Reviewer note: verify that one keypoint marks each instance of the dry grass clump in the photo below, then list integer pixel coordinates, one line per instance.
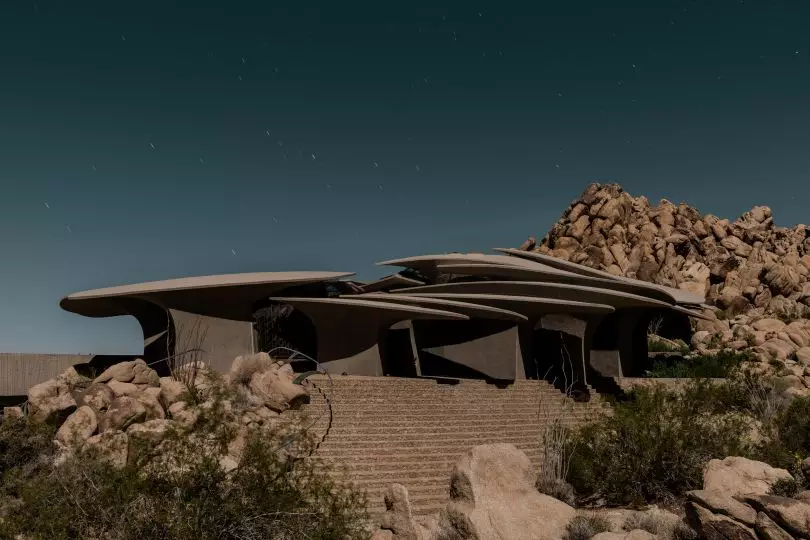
(585, 526)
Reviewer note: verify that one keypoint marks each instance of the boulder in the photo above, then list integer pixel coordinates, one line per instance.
(122, 371)
(711, 526)
(10, 413)
(98, 396)
(276, 389)
(50, 401)
(123, 412)
(769, 530)
(636, 534)
(123, 388)
(768, 325)
(78, 427)
(111, 445)
(151, 432)
(171, 391)
(398, 517)
(739, 476)
(493, 497)
(720, 503)
(150, 402)
(790, 514)
(803, 356)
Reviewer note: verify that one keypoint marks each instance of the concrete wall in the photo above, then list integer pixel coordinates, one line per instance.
(21, 371)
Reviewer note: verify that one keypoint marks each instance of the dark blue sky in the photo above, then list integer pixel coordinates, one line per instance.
(156, 139)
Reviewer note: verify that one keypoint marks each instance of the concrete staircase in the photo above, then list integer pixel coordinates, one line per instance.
(412, 431)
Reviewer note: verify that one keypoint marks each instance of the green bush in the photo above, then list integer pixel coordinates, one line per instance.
(720, 365)
(175, 490)
(654, 446)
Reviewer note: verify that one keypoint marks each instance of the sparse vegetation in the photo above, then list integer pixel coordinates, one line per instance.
(720, 365)
(585, 526)
(176, 489)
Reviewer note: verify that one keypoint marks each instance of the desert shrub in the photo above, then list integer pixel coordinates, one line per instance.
(786, 487)
(654, 344)
(557, 488)
(178, 490)
(789, 436)
(660, 526)
(720, 365)
(23, 445)
(586, 526)
(654, 446)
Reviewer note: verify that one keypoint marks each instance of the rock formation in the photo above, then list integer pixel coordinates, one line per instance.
(755, 275)
(735, 503)
(129, 404)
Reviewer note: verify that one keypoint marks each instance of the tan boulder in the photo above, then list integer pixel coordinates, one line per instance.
(244, 366)
(768, 325)
(150, 402)
(123, 389)
(781, 279)
(711, 526)
(78, 427)
(10, 413)
(275, 387)
(98, 396)
(111, 446)
(737, 475)
(803, 356)
(636, 534)
(721, 503)
(171, 391)
(398, 517)
(50, 401)
(790, 514)
(123, 412)
(151, 432)
(121, 372)
(493, 497)
(769, 530)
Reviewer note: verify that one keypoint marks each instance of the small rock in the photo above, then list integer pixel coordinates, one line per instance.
(110, 445)
(78, 427)
(720, 503)
(123, 388)
(123, 412)
(98, 396)
(171, 391)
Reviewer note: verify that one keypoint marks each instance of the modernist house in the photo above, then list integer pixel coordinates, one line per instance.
(515, 315)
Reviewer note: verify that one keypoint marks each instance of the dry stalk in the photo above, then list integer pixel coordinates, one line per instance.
(185, 352)
(555, 442)
(655, 324)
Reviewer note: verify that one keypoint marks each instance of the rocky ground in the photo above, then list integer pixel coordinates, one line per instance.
(755, 276)
(129, 402)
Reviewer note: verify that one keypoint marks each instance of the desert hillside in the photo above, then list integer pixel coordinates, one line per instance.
(755, 275)
(740, 265)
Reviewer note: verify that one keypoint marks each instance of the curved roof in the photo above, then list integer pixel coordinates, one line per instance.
(561, 291)
(524, 304)
(541, 272)
(228, 296)
(383, 309)
(427, 263)
(680, 296)
(467, 308)
(390, 282)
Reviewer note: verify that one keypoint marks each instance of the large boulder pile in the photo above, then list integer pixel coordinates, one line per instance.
(130, 404)
(736, 502)
(755, 275)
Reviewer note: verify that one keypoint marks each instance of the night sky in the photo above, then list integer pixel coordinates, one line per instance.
(150, 139)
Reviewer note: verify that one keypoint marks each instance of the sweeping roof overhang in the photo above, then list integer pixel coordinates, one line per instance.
(467, 308)
(390, 282)
(561, 291)
(541, 272)
(681, 296)
(526, 305)
(227, 296)
(347, 304)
